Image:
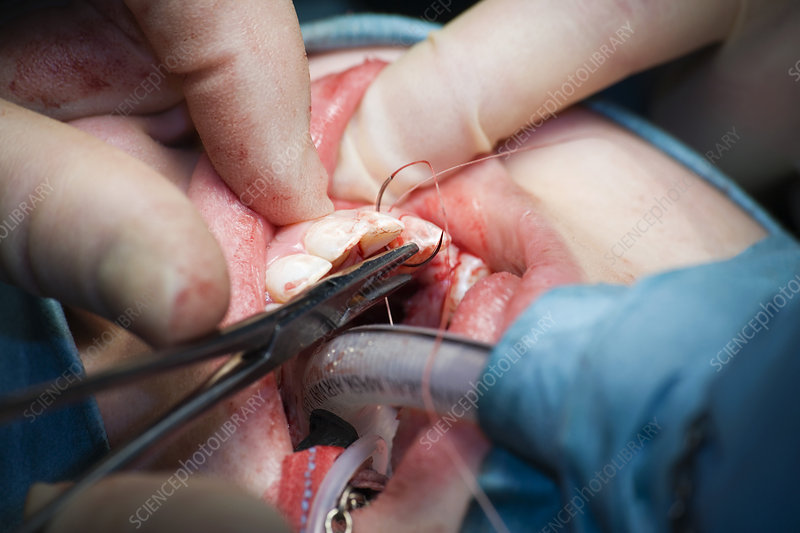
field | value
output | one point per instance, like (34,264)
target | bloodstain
(58,63)
(65,64)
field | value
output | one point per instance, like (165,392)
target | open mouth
(497,254)
(496,245)
(505,242)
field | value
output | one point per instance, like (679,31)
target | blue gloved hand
(629,408)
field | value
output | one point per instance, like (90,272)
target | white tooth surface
(381,230)
(291,274)
(425,234)
(333,236)
(468,271)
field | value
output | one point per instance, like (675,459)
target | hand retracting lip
(260,344)
(307,319)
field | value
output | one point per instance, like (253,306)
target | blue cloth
(355,31)
(44,445)
(626,376)
(670,399)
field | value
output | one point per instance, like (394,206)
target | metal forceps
(260,344)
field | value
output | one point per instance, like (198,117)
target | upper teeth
(329,241)
(381,230)
(425,234)
(291,274)
(333,237)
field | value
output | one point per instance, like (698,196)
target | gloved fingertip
(315,208)
(318,203)
(198,304)
(295,191)
(313,200)
(166,288)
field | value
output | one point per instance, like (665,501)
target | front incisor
(381,230)
(333,236)
(292,274)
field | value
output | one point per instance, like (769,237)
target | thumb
(504,65)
